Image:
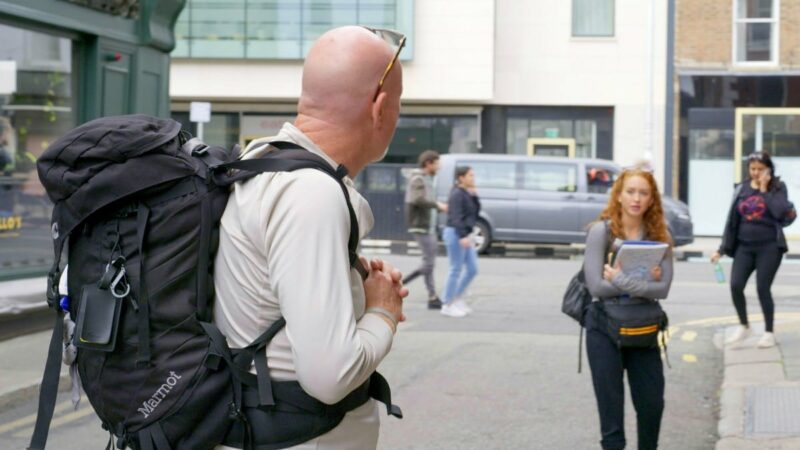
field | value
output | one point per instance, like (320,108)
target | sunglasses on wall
(395,39)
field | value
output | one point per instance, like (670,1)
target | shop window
(36,107)
(222,130)
(444,134)
(755,31)
(593,18)
(519,130)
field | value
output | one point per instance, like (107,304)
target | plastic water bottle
(719,273)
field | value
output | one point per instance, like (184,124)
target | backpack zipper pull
(134,303)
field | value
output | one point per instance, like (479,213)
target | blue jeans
(460,257)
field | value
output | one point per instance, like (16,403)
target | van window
(495,175)
(599,179)
(549,177)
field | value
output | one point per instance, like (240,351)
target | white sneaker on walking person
(451,310)
(462,305)
(739,334)
(767,340)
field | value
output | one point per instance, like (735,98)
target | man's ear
(379,110)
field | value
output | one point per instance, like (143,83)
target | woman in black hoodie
(754,237)
(462,214)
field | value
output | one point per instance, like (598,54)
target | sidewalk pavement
(22,361)
(760,394)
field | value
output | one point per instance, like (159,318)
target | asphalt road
(505,377)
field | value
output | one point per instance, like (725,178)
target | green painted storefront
(62,63)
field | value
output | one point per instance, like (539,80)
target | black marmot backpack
(139,204)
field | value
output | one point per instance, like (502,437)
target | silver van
(543,199)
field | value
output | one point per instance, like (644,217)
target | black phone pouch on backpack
(634,322)
(98,319)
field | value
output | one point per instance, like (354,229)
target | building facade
(575,77)
(63,62)
(738,91)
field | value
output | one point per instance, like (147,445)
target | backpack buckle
(52,289)
(200,150)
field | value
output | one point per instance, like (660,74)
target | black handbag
(577,297)
(634,322)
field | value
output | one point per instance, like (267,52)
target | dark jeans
(645,378)
(427,244)
(764,259)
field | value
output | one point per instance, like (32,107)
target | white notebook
(636,258)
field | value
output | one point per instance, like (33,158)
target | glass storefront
(445,134)
(777,131)
(223,130)
(712,154)
(279,29)
(589,130)
(414,134)
(36,106)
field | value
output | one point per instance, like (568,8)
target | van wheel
(483,237)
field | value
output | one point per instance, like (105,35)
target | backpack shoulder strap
(289,158)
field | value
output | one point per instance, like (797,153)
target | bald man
(283,249)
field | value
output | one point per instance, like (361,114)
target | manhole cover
(772,410)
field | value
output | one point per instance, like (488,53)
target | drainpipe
(669,126)
(648,115)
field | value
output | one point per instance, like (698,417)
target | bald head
(341,73)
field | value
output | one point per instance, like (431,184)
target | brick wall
(703,33)
(790,34)
(704,30)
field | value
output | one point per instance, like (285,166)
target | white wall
(453,63)
(538,62)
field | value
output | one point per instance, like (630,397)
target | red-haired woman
(633,212)
(754,237)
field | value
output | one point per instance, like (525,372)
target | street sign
(8,77)
(200,112)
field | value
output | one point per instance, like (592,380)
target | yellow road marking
(689,358)
(27,420)
(725,320)
(63,420)
(688,336)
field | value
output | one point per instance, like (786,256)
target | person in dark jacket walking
(463,208)
(754,238)
(421,210)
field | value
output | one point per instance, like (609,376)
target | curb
(23,394)
(563,251)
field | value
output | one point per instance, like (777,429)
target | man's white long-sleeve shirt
(283,252)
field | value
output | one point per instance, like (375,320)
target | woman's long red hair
(654,224)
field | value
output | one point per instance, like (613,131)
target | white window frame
(775,21)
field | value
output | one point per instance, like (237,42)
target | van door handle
(570,197)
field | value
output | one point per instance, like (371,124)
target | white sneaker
(767,340)
(451,310)
(462,305)
(739,334)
